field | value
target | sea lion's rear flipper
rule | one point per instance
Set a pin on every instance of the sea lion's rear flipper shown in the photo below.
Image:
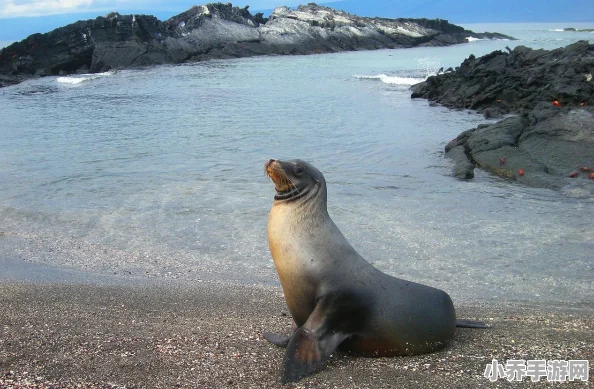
(335, 318)
(276, 339)
(471, 324)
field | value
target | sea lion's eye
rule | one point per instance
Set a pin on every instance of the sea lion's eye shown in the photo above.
(298, 170)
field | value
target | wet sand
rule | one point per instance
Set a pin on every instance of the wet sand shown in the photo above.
(208, 335)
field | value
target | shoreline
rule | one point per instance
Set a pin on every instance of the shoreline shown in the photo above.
(209, 335)
(21, 272)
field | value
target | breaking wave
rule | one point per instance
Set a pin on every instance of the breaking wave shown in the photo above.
(73, 80)
(394, 80)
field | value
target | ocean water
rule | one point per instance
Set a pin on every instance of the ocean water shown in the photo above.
(158, 173)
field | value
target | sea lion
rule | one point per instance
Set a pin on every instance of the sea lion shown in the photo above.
(335, 296)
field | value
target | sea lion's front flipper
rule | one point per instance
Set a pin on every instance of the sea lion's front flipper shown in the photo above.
(313, 343)
(307, 351)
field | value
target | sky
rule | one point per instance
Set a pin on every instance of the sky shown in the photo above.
(21, 18)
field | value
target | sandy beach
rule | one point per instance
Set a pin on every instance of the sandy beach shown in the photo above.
(208, 335)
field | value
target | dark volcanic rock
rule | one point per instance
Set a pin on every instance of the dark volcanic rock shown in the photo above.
(578, 29)
(515, 81)
(548, 150)
(92, 45)
(214, 31)
(550, 141)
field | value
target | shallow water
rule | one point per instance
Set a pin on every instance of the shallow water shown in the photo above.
(158, 173)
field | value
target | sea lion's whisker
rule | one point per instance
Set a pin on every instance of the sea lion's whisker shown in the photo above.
(277, 174)
(289, 183)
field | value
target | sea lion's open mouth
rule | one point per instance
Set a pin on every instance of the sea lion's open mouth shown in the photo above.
(282, 184)
(274, 170)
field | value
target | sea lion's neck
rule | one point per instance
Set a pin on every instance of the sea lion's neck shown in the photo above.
(292, 224)
(311, 199)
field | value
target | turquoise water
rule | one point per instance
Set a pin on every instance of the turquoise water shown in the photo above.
(158, 173)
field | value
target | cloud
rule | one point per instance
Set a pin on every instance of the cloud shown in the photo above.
(13, 9)
(32, 8)
(36, 8)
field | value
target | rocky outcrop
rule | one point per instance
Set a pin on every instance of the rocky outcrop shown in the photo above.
(516, 80)
(543, 149)
(571, 29)
(547, 140)
(214, 31)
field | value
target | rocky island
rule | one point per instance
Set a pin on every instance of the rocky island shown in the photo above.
(214, 31)
(546, 98)
(571, 29)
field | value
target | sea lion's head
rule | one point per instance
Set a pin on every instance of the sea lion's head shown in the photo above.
(295, 179)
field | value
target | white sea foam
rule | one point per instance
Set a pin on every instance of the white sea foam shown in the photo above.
(73, 80)
(395, 80)
(473, 39)
(563, 30)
